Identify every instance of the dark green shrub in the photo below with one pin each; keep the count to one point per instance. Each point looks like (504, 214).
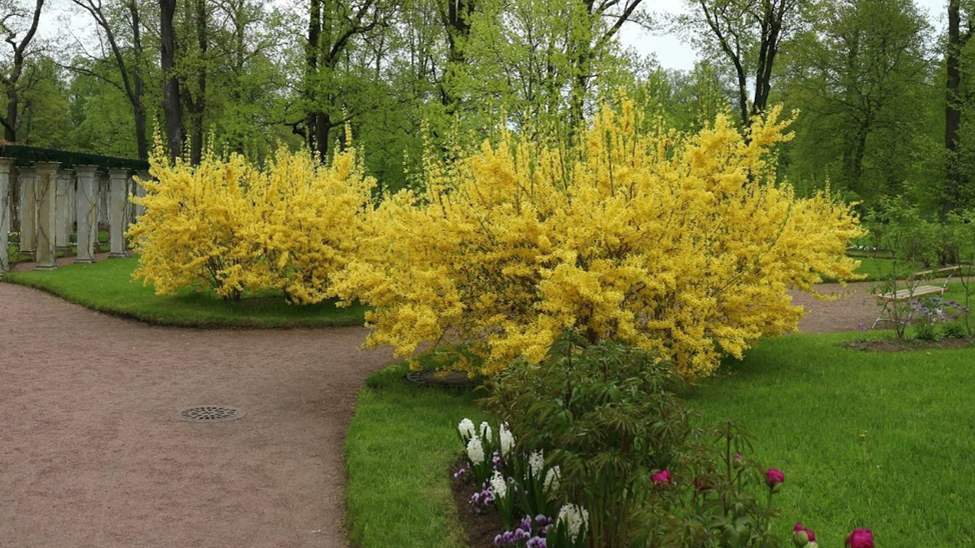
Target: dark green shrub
(629, 453)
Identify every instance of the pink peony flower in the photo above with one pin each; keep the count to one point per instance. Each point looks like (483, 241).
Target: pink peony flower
(802, 536)
(661, 478)
(774, 477)
(860, 538)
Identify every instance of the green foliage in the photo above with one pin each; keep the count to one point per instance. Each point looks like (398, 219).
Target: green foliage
(855, 73)
(853, 431)
(603, 414)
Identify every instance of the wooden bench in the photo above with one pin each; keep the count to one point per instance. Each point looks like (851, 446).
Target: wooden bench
(915, 292)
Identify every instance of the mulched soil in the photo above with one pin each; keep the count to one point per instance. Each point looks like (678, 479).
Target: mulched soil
(894, 345)
(90, 455)
(481, 528)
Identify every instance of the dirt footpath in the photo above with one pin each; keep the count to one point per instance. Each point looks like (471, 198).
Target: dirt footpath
(856, 305)
(91, 457)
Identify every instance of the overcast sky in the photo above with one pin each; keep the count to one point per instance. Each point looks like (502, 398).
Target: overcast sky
(669, 51)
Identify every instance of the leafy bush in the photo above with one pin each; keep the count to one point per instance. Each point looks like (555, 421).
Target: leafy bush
(228, 226)
(681, 244)
(630, 459)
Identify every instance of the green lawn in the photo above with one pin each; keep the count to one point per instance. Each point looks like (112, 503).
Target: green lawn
(909, 478)
(107, 286)
(398, 448)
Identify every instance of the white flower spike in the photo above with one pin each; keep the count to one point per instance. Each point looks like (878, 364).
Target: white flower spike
(466, 429)
(507, 440)
(475, 451)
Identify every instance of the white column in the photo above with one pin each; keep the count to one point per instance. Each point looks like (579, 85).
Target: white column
(101, 181)
(62, 210)
(45, 192)
(28, 211)
(140, 191)
(87, 214)
(6, 209)
(118, 179)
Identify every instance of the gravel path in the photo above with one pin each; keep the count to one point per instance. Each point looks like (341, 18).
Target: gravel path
(857, 304)
(90, 456)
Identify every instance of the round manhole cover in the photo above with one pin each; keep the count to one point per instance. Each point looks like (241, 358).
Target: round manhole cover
(209, 413)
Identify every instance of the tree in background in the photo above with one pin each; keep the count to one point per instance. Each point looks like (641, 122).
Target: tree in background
(859, 75)
(120, 25)
(18, 26)
(747, 35)
(958, 38)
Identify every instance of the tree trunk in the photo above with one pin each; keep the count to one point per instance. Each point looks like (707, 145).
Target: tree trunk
(138, 109)
(198, 106)
(171, 103)
(456, 22)
(10, 127)
(312, 52)
(952, 190)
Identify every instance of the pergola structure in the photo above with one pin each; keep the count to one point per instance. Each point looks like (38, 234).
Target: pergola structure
(58, 189)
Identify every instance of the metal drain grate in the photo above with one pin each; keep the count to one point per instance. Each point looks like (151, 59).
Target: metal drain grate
(209, 413)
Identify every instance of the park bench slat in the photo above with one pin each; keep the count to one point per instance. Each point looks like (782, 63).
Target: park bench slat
(906, 294)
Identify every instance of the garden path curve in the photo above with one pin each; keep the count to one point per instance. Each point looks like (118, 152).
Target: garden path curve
(91, 457)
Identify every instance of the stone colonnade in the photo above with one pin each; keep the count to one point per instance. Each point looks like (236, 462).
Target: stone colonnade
(54, 198)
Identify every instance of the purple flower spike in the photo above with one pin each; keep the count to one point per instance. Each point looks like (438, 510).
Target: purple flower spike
(497, 540)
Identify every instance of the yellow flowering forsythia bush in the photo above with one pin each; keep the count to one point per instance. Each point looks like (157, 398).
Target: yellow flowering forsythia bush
(232, 227)
(681, 244)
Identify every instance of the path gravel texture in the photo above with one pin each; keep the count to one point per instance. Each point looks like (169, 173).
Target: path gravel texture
(91, 457)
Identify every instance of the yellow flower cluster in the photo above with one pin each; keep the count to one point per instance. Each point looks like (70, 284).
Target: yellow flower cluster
(232, 227)
(685, 244)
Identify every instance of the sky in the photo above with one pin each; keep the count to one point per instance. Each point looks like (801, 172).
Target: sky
(669, 50)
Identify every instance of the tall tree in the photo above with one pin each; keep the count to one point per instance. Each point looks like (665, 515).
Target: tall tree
(595, 24)
(333, 28)
(748, 34)
(12, 18)
(171, 102)
(129, 58)
(859, 75)
(455, 16)
(957, 40)
(196, 72)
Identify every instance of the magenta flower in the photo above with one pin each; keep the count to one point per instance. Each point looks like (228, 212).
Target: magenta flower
(860, 538)
(802, 536)
(774, 477)
(661, 478)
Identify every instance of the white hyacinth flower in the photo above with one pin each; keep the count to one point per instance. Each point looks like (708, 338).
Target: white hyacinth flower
(536, 461)
(576, 519)
(507, 440)
(552, 480)
(498, 485)
(486, 431)
(466, 429)
(475, 451)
